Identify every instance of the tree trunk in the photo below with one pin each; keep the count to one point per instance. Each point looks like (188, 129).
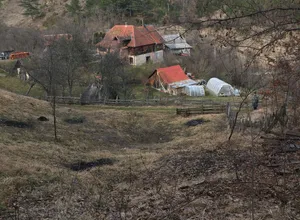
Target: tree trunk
(54, 117)
(70, 91)
(28, 91)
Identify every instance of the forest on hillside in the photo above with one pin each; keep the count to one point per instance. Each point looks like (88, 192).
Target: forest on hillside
(149, 11)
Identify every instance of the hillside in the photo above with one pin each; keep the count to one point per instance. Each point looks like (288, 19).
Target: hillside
(146, 162)
(128, 162)
(11, 14)
(55, 12)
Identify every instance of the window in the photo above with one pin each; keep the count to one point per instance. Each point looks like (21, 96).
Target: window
(125, 42)
(159, 47)
(102, 49)
(131, 60)
(147, 59)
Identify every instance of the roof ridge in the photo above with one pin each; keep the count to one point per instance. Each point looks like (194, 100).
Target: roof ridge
(133, 37)
(139, 35)
(170, 66)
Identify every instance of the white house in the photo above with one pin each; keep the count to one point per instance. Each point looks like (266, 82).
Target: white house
(136, 44)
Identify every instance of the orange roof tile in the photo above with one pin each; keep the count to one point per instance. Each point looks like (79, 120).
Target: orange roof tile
(172, 74)
(138, 36)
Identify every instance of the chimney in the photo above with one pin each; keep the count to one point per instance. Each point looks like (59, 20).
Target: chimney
(125, 24)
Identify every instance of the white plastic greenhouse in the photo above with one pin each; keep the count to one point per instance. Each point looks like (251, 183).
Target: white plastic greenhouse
(218, 87)
(194, 90)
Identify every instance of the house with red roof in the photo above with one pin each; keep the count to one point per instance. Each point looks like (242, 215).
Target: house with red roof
(173, 80)
(136, 44)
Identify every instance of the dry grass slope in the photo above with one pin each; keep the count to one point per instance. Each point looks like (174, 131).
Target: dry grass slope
(130, 163)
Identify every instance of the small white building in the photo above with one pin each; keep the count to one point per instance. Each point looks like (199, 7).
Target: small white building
(218, 87)
(195, 90)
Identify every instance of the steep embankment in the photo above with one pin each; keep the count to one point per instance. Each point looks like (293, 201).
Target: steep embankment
(18, 106)
(11, 14)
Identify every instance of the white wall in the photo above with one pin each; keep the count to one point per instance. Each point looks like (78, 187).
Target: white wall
(155, 57)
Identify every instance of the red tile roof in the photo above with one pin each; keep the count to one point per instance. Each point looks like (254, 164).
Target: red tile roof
(171, 74)
(138, 36)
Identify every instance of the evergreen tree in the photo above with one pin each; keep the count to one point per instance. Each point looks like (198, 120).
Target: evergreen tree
(32, 8)
(74, 8)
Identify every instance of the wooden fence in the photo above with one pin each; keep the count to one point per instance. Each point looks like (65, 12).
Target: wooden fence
(203, 109)
(65, 99)
(230, 109)
(142, 102)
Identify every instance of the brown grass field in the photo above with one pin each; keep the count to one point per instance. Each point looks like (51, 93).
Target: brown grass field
(145, 163)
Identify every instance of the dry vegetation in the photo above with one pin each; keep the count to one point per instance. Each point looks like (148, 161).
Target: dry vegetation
(11, 13)
(147, 165)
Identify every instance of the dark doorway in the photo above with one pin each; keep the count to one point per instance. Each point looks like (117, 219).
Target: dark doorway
(131, 60)
(147, 59)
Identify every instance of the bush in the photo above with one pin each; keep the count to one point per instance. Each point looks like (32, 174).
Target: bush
(7, 66)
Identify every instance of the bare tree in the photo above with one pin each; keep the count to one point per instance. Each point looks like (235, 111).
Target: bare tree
(260, 35)
(265, 33)
(20, 39)
(74, 56)
(115, 78)
(46, 71)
